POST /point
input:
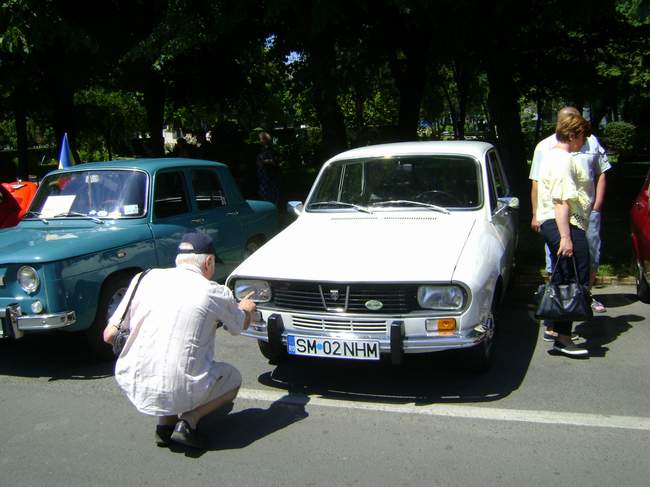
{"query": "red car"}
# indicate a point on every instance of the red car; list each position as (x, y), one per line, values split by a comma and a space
(14, 201)
(640, 217)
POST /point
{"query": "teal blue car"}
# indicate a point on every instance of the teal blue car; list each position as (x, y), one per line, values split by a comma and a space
(90, 228)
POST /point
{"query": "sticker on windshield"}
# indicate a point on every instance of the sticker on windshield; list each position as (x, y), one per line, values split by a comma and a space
(56, 205)
(131, 209)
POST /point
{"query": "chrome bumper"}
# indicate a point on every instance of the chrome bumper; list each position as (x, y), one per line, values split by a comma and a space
(412, 344)
(395, 342)
(14, 323)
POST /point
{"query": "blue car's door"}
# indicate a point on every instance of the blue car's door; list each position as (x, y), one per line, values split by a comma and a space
(218, 215)
(172, 214)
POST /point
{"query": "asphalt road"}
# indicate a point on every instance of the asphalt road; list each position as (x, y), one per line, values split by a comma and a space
(534, 419)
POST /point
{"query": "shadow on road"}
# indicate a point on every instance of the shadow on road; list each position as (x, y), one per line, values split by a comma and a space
(223, 431)
(423, 379)
(58, 356)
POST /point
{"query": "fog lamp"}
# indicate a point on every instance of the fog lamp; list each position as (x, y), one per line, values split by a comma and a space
(37, 307)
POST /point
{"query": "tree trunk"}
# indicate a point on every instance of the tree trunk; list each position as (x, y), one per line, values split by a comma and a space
(325, 97)
(410, 75)
(452, 110)
(20, 118)
(504, 107)
(64, 119)
(538, 123)
(154, 102)
(462, 83)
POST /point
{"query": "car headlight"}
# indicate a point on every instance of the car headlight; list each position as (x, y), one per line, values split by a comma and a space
(261, 290)
(441, 297)
(28, 279)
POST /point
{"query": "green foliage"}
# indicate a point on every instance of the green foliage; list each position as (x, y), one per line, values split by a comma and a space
(619, 137)
(108, 121)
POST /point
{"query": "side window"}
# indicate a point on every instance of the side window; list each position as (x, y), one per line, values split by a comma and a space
(169, 195)
(498, 182)
(207, 189)
(491, 184)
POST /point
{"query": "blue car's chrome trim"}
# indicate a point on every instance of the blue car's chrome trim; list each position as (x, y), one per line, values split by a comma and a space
(46, 321)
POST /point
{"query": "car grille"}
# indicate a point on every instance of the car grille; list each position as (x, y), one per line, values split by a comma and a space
(344, 298)
(338, 324)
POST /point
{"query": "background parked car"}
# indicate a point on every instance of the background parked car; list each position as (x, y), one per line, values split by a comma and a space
(640, 218)
(15, 198)
(90, 228)
(400, 248)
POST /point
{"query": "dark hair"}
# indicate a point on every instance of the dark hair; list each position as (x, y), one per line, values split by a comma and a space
(570, 126)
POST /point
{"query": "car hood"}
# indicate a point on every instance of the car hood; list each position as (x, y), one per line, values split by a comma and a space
(387, 248)
(25, 244)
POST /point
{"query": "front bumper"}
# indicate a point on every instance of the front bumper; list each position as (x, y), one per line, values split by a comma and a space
(398, 338)
(14, 323)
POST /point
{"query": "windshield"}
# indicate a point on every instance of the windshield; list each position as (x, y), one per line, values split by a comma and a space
(423, 181)
(97, 194)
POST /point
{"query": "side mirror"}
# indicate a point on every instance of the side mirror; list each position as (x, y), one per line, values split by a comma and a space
(510, 201)
(295, 207)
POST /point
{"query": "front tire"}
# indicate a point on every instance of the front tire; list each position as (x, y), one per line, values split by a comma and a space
(642, 287)
(479, 358)
(113, 291)
(272, 356)
(252, 246)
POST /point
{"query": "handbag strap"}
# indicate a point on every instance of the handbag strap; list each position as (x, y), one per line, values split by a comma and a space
(575, 268)
(137, 283)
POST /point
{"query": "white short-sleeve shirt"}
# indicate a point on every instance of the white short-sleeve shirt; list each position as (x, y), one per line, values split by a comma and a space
(592, 158)
(167, 366)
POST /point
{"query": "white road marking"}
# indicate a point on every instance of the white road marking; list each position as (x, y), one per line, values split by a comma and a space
(458, 411)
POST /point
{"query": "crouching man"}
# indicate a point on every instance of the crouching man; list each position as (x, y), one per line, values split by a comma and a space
(167, 367)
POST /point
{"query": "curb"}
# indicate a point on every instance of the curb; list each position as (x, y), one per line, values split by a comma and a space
(536, 279)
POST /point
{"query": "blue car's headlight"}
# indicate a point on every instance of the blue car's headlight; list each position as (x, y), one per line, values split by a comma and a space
(28, 279)
(261, 290)
(441, 297)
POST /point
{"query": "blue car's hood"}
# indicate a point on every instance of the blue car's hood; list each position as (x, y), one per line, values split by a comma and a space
(28, 244)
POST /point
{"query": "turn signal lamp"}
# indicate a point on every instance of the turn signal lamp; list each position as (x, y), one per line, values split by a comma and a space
(441, 325)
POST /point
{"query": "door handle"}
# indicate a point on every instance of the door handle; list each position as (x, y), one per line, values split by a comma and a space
(199, 221)
(232, 213)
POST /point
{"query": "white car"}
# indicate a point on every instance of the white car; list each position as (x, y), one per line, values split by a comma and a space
(399, 248)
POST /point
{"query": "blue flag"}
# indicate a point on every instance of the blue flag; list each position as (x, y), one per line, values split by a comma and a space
(65, 156)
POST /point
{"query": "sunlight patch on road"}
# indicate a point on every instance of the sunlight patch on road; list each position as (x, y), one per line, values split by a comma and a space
(458, 411)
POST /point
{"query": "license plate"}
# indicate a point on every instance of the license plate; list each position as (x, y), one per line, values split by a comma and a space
(333, 347)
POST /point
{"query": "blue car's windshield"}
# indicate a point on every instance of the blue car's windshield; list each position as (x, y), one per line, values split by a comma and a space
(97, 194)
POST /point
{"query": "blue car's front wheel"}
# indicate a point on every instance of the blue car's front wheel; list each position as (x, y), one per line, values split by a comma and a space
(112, 293)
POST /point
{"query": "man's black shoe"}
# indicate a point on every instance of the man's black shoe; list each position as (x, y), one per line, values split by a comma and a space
(569, 349)
(185, 435)
(163, 434)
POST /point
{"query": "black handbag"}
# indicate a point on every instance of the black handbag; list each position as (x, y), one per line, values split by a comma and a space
(123, 332)
(564, 302)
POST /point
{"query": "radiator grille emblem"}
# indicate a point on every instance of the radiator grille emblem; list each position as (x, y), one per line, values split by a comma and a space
(374, 305)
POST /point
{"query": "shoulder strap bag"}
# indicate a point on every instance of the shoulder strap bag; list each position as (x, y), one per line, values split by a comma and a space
(123, 331)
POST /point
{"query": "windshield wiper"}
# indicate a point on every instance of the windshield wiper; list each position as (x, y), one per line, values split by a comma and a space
(340, 203)
(37, 215)
(76, 213)
(415, 203)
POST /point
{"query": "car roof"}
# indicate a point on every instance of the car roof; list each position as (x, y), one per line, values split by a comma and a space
(150, 165)
(457, 147)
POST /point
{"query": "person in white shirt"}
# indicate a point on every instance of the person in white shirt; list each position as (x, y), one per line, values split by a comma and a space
(167, 367)
(593, 158)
